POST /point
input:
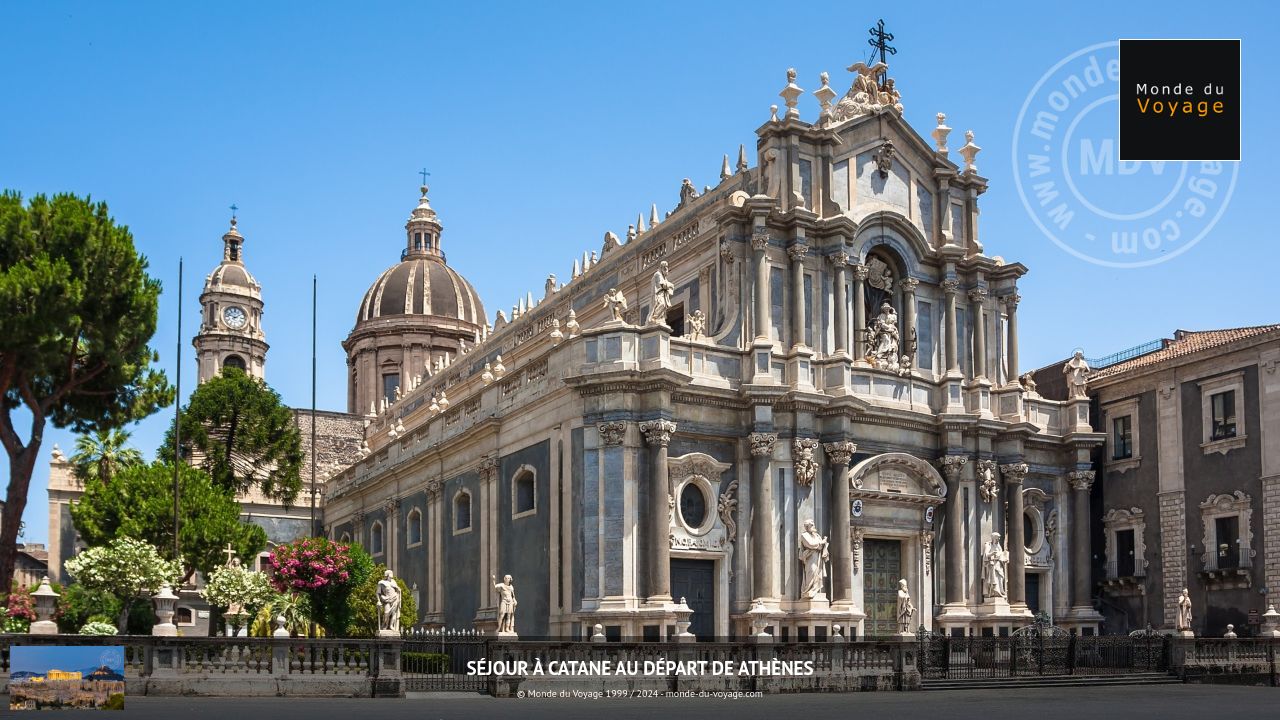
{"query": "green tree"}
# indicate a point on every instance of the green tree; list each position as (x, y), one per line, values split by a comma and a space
(99, 455)
(77, 310)
(242, 435)
(77, 604)
(127, 568)
(364, 606)
(138, 504)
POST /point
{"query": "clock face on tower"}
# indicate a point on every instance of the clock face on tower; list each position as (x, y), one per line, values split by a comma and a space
(234, 317)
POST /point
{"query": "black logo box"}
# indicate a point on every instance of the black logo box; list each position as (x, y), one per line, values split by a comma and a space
(1161, 77)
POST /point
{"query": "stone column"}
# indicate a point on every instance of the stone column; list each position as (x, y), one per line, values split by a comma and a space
(840, 453)
(1011, 310)
(796, 252)
(952, 467)
(657, 433)
(390, 537)
(763, 544)
(860, 273)
(976, 297)
(909, 286)
(951, 287)
(1013, 474)
(1081, 579)
(760, 241)
(489, 523)
(840, 260)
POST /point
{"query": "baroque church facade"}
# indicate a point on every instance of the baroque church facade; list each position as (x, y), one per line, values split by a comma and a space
(768, 407)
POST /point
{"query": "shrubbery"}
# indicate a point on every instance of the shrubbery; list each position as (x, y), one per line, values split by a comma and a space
(326, 573)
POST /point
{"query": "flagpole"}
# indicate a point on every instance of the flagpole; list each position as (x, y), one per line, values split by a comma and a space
(177, 418)
(313, 406)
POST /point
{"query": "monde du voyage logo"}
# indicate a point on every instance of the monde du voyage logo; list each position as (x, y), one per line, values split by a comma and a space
(1124, 151)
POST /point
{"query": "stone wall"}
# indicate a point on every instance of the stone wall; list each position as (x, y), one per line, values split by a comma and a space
(338, 438)
(1173, 551)
(1271, 531)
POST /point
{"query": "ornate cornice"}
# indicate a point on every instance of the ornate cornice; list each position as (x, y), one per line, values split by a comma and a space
(762, 443)
(1081, 479)
(840, 452)
(657, 432)
(612, 433)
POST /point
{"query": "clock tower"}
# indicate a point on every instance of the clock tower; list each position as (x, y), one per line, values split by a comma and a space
(231, 315)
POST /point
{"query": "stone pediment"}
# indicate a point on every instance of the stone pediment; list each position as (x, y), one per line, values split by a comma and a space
(898, 474)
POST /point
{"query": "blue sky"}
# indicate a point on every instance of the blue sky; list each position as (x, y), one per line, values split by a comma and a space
(543, 126)
(43, 658)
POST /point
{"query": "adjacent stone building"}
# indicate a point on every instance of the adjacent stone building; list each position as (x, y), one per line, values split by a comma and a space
(1190, 480)
(820, 338)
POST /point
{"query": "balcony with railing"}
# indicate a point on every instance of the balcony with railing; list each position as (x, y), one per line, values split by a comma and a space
(1228, 565)
(1125, 576)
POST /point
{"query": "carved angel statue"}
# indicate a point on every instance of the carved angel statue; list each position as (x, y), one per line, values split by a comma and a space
(617, 304)
(995, 560)
(1077, 372)
(697, 322)
(883, 349)
(814, 554)
(663, 290)
(1028, 382)
(864, 96)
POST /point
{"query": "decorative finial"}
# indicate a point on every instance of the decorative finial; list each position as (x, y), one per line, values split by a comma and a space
(969, 152)
(742, 158)
(791, 95)
(940, 134)
(653, 215)
(725, 173)
(640, 228)
(773, 113)
(825, 95)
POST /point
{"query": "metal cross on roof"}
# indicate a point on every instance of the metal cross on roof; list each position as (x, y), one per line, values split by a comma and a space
(879, 42)
(423, 172)
(233, 211)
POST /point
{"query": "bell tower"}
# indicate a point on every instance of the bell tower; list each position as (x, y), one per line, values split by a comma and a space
(231, 315)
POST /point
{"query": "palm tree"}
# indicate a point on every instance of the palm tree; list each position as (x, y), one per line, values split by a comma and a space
(101, 454)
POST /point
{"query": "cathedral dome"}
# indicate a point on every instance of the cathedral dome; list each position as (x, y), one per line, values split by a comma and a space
(422, 285)
(230, 274)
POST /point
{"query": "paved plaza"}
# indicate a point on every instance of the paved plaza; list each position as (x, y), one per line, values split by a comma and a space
(1168, 702)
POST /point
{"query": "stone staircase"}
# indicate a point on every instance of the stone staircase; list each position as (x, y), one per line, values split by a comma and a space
(1040, 681)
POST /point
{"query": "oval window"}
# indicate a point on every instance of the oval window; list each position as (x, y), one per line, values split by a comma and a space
(693, 506)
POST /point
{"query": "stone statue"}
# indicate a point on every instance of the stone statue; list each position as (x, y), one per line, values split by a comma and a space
(883, 349)
(663, 289)
(1028, 382)
(865, 96)
(1077, 372)
(906, 609)
(617, 304)
(506, 604)
(697, 322)
(1184, 611)
(814, 554)
(995, 559)
(990, 487)
(388, 605)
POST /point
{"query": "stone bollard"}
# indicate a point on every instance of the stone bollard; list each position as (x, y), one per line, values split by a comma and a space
(837, 649)
(683, 614)
(164, 603)
(280, 630)
(1271, 621)
(46, 603)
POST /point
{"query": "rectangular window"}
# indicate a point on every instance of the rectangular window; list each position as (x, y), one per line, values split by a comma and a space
(1124, 553)
(1224, 415)
(390, 382)
(924, 335)
(1228, 536)
(1122, 438)
(808, 310)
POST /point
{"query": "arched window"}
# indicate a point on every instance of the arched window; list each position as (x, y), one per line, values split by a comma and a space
(345, 539)
(183, 616)
(375, 538)
(234, 361)
(524, 492)
(414, 527)
(461, 512)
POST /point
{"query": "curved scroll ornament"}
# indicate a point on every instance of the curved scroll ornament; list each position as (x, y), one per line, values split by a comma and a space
(762, 443)
(612, 433)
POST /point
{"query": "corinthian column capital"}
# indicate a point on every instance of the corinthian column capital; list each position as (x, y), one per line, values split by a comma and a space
(952, 466)
(762, 443)
(657, 432)
(840, 452)
(1081, 479)
(1014, 472)
(909, 284)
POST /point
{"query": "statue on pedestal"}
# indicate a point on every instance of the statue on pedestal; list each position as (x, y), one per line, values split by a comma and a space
(506, 604)
(995, 560)
(814, 553)
(883, 348)
(906, 609)
(1184, 611)
(663, 290)
(1077, 372)
(388, 605)
(616, 302)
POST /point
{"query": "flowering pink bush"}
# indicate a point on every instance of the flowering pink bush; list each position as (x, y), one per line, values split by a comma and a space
(325, 572)
(20, 604)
